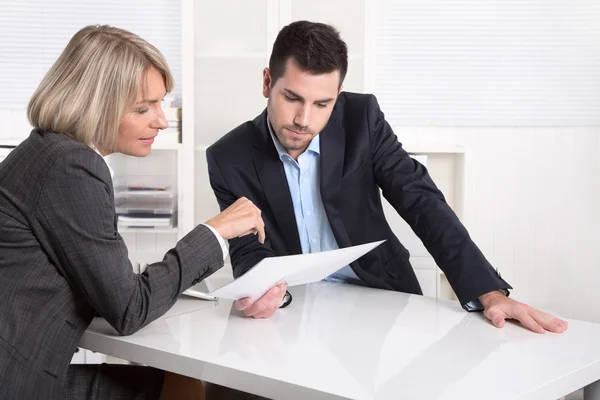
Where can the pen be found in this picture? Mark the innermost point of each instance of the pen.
(200, 295)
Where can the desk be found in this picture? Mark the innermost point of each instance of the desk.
(342, 341)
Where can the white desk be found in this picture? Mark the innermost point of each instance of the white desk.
(342, 341)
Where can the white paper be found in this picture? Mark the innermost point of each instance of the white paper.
(294, 270)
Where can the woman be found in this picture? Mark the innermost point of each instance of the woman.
(61, 257)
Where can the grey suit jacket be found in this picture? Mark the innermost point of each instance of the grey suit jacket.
(62, 259)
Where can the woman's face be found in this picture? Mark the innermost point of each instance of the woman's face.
(141, 123)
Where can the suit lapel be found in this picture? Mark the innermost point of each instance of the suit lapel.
(333, 144)
(271, 175)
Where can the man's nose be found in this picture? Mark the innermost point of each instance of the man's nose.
(302, 119)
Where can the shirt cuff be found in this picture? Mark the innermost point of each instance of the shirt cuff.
(222, 241)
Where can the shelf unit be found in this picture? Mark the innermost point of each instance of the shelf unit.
(6, 146)
(10, 142)
(446, 166)
(163, 166)
(229, 52)
(247, 56)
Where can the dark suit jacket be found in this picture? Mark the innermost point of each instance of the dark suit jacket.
(359, 155)
(62, 259)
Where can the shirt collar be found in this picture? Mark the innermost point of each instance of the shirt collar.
(112, 172)
(313, 146)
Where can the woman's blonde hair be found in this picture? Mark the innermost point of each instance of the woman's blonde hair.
(93, 83)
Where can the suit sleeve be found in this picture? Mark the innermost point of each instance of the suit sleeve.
(245, 251)
(76, 212)
(406, 184)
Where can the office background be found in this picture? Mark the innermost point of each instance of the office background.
(504, 97)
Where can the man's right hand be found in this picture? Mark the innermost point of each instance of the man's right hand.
(265, 306)
(239, 219)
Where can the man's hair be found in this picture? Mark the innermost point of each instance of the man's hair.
(315, 47)
(92, 84)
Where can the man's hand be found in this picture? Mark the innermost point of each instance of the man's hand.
(265, 306)
(498, 308)
(239, 219)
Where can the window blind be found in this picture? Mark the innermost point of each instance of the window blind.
(488, 62)
(33, 33)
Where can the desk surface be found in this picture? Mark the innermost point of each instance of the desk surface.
(343, 341)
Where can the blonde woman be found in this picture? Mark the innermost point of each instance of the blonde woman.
(61, 257)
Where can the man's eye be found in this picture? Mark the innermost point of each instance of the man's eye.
(321, 105)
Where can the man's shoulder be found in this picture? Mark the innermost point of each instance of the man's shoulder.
(351, 100)
(238, 138)
(352, 110)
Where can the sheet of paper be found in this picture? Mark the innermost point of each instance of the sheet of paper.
(295, 270)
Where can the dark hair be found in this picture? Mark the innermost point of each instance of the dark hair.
(316, 48)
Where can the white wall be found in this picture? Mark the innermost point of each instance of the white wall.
(532, 204)
(532, 195)
(14, 124)
(523, 75)
(488, 63)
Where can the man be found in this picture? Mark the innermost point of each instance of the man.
(314, 162)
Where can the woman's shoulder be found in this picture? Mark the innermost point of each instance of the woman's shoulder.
(42, 142)
(49, 140)
(47, 150)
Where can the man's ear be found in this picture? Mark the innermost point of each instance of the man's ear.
(266, 89)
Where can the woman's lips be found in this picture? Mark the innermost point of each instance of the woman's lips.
(147, 140)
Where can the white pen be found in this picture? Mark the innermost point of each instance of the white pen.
(200, 295)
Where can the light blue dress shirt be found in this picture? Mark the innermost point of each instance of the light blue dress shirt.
(304, 183)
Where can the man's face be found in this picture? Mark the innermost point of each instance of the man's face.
(299, 105)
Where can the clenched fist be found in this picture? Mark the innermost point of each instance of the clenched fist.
(239, 219)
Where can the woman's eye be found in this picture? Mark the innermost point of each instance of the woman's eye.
(141, 110)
